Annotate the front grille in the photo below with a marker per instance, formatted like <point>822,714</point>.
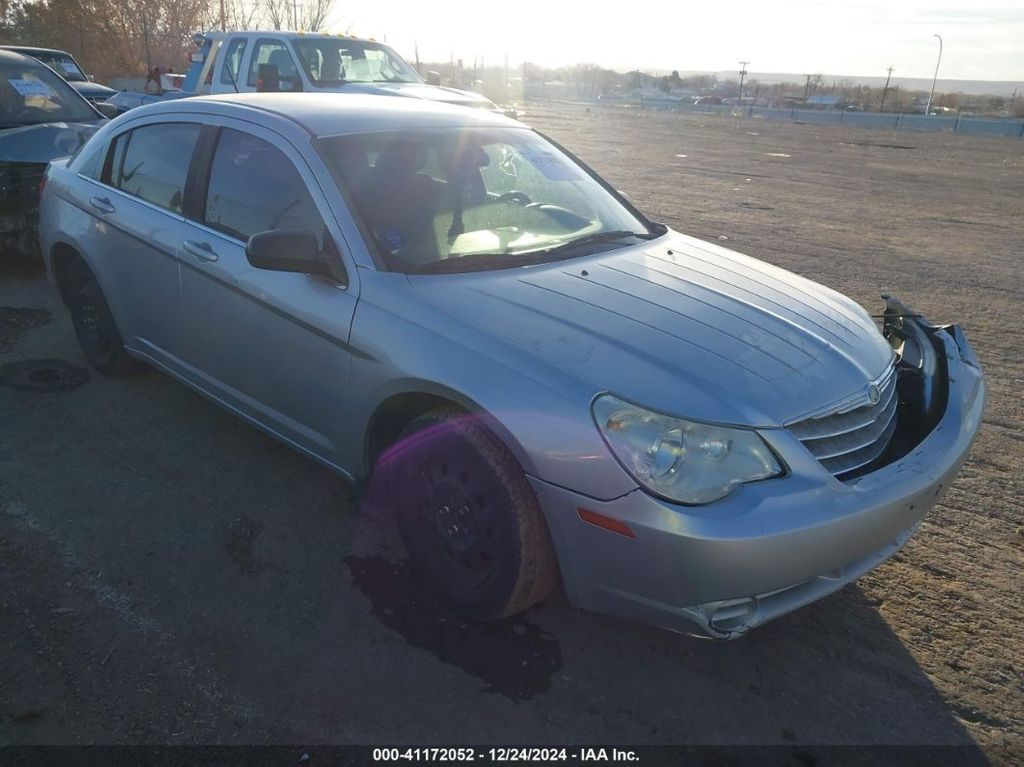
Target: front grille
<point>848,442</point>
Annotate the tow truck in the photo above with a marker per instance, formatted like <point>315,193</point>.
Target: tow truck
<point>272,61</point>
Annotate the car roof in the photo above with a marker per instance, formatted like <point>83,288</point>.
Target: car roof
<point>334,114</point>
<point>9,56</point>
<point>213,35</point>
<point>31,51</point>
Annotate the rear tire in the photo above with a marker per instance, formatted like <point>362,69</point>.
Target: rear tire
<point>95,327</point>
<point>468,516</point>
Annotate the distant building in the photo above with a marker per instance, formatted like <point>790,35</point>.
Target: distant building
<point>824,102</point>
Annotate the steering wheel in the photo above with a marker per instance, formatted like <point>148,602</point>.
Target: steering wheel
<point>519,198</point>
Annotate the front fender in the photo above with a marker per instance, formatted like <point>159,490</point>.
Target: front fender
<point>401,345</point>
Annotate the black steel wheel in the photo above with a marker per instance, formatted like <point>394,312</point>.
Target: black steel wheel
<point>468,516</point>
<point>96,330</point>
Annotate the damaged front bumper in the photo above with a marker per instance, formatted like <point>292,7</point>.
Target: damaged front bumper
<point>19,206</point>
<point>773,546</point>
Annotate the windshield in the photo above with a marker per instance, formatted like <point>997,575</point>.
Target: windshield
<point>475,198</point>
<point>30,95</point>
<point>62,64</point>
<point>332,61</point>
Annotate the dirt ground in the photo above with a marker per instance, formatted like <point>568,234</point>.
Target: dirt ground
<point>170,575</point>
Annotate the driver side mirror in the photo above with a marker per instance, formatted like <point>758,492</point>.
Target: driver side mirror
<point>290,250</point>
<point>433,78</point>
<point>107,110</point>
<point>268,79</point>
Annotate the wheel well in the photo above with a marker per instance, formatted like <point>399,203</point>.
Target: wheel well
<point>393,415</point>
<point>66,262</point>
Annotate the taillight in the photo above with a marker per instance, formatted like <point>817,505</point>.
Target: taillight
<point>42,184</point>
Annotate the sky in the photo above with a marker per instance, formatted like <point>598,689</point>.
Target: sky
<point>982,40</point>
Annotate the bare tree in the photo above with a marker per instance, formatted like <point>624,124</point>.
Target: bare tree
<point>309,15</point>
<point>111,37</point>
<point>315,13</point>
<point>278,13</point>
<point>238,14</point>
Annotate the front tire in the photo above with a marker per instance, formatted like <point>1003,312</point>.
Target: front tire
<point>96,330</point>
<point>468,516</point>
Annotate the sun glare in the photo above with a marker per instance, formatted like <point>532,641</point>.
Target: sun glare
<point>984,40</point>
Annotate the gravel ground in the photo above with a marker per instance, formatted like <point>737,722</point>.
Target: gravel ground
<point>170,575</point>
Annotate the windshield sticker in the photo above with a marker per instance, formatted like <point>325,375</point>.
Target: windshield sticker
<point>31,88</point>
<point>394,239</point>
<point>70,68</point>
<point>552,166</point>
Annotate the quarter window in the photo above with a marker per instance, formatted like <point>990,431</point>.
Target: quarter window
<point>155,162</point>
<point>91,164</point>
<point>255,187</point>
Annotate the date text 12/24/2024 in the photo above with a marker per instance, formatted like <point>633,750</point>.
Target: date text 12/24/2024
<point>504,754</point>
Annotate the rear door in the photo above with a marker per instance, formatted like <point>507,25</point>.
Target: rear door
<point>272,345</point>
<point>137,204</point>
<point>230,77</point>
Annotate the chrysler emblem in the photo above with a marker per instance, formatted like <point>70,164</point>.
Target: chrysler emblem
<point>874,394</point>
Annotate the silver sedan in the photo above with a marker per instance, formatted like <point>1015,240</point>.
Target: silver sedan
<point>543,384</point>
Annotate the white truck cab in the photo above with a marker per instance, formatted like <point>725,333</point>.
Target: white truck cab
<point>271,61</point>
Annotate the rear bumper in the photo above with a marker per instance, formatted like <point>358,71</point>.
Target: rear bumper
<point>770,547</point>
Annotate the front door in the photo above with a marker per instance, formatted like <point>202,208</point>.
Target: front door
<point>272,345</point>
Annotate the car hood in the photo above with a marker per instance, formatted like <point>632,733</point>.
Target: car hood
<point>423,91</point>
<point>680,326</point>
<point>93,91</point>
<point>41,143</point>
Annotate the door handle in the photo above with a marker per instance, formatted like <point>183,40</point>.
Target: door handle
<point>201,250</point>
<point>102,204</point>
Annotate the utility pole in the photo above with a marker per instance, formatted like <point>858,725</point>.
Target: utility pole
<point>295,15</point>
<point>81,34</point>
<point>931,93</point>
<point>223,24</point>
<point>145,40</point>
<point>416,48</point>
<point>885,90</point>
<point>807,87</point>
<point>743,74</point>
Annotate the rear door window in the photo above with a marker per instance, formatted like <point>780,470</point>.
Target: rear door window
<point>254,187</point>
<point>154,163</point>
<point>231,70</point>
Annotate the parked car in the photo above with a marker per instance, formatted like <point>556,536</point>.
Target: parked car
<point>267,61</point>
<point>539,380</point>
<point>65,65</point>
<point>41,117</point>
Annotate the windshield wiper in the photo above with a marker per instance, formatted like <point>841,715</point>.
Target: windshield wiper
<point>590,239</point>
<point>472,262</point>
<point>482,261</point>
